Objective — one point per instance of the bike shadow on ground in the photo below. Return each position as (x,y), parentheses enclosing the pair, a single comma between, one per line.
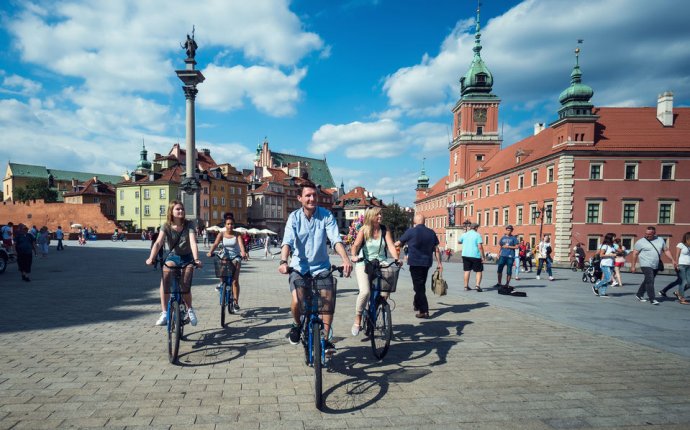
(235,339)
(408,359)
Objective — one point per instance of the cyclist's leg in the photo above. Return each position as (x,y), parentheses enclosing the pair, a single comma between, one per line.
(364,288)
(236,281)
(187,285)
(294,306)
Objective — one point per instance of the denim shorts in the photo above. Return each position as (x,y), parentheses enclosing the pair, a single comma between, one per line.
(505,261)
(179,260)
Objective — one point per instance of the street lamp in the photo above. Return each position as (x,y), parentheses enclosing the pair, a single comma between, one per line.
(541,211)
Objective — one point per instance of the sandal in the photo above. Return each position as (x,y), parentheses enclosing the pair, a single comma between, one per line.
(479,290)
(467,288)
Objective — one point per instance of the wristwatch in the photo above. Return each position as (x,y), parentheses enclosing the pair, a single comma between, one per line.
(282,262)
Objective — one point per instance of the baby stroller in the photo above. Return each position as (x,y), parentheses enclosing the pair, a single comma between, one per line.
(592,272)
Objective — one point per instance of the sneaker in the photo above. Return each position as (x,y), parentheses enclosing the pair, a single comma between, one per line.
(550,278)
(642,299)
(655,302)
(218,287)
(295,333)
(538,277)
(604,296)
(329,348)
(662,293)
(355,329)
(517,278)
(192,316)
(614,284)
(162,319)
(595,290)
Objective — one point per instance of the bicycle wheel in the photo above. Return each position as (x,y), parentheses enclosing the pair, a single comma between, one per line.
(223,303)
(382,330)
(573,266)
(174,334)
(316,348)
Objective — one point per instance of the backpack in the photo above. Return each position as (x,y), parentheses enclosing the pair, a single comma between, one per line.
(438,285)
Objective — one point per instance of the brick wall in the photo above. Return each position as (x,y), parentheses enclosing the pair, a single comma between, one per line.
(52,215)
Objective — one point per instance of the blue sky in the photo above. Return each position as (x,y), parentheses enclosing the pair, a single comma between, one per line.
(368,84)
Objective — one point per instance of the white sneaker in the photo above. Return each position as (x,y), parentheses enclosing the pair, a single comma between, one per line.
(192,316)
(614,284)
(550,278)
(162,319)
(355,329)
(538,277)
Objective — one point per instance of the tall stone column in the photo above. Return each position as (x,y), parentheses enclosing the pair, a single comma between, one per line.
(190,77)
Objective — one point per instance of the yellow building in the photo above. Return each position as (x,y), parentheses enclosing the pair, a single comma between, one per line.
(142,203)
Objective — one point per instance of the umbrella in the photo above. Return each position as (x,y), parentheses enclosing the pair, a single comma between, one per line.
(253,231)
(267,231)
(241,229)
(214,228)
(75,226)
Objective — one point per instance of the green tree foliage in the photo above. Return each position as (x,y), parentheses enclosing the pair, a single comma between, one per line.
(35,189)
(396,219)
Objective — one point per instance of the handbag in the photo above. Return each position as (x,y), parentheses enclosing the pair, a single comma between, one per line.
(438,285)
(660,265)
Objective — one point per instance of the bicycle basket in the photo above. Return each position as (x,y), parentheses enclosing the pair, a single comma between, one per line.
(174,287)
(389,278)
(223,267)
(320,299)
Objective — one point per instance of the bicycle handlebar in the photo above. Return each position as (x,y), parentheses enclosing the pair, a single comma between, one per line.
(384,264)
(182,266)
(333,268)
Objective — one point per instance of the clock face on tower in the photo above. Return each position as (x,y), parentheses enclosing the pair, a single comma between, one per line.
(480,115)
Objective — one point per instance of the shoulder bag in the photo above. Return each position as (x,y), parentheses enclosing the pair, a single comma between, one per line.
(660,266)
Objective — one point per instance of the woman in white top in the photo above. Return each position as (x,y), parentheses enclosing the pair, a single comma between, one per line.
(232,249)
(607,253)
(683,259)
(372,237)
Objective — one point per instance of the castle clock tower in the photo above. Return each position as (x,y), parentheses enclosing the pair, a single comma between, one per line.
(475,119)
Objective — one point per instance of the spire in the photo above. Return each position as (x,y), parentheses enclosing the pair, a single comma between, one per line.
(423,179)
(478,80)
(143,163)
(575,100)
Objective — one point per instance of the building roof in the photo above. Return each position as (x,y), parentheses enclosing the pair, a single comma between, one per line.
(93,187)
(358,197)
(319,173)
(31,171)
(168,176)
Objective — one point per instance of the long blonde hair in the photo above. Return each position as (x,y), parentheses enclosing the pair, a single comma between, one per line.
(369,219)
(169,217)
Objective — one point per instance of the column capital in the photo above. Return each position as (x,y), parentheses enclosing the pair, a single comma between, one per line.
(190,91)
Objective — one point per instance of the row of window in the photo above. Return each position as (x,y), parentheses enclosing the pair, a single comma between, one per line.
(147,210)
(630,173)
(630,211)
(535,215)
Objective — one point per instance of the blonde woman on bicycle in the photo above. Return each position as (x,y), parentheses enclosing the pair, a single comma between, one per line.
(371,243)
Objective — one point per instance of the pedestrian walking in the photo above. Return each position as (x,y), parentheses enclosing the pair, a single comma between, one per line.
(25,247)
(59,236)
(516,264)
(506,255)
(43,241)
(648,251)
(472,256)
(618,262)
(544,251)
(682,270)
(422,246)
(607,253)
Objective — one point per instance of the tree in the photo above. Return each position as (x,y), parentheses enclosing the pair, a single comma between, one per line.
(396,219)
(35,189)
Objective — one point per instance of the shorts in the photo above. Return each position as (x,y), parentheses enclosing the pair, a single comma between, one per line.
(621,264)
(472,264)
(179,260)
(505,261)
(294,279)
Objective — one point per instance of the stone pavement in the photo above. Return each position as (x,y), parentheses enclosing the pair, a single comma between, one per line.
(79,349)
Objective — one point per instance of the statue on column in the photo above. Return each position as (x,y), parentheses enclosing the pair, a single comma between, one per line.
(190,46)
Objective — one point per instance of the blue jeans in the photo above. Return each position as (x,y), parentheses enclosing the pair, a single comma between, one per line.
(603,283)
(505,261)
(541,264)
(684,274)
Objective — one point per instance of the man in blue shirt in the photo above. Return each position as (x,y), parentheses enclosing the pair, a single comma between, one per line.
(306,231)
(472,255)
(508,244)
(422,244)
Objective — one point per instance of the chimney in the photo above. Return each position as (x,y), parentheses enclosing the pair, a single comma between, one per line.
(664,109)
(538,127)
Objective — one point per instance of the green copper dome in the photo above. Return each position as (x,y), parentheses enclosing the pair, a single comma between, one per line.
(575,99)
(143,163)
(423,179)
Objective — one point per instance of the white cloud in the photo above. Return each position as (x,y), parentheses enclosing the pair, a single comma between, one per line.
(357,136)
(269,90)
(15,84)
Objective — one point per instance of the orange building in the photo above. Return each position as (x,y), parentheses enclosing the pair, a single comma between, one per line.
(592,171)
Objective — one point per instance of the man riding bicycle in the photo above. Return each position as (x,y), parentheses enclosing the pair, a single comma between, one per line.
(306,232)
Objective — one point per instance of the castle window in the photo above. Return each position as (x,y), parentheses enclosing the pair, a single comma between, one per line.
(479,157)
(480,130)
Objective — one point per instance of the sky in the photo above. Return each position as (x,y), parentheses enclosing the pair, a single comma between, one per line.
(367,84)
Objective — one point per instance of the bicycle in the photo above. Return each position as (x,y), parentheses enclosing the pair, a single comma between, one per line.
(225,270)
(176,310)
(117,237)
(377,322)
(316,296)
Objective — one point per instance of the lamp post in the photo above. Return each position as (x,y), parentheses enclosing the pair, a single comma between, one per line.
(541,211)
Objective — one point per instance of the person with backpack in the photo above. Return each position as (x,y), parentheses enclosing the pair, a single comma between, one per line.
(544,251)
(371,243)
(648,251)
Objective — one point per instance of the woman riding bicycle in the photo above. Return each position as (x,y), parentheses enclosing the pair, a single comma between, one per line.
(178,236)
(232,249)
(373,239)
